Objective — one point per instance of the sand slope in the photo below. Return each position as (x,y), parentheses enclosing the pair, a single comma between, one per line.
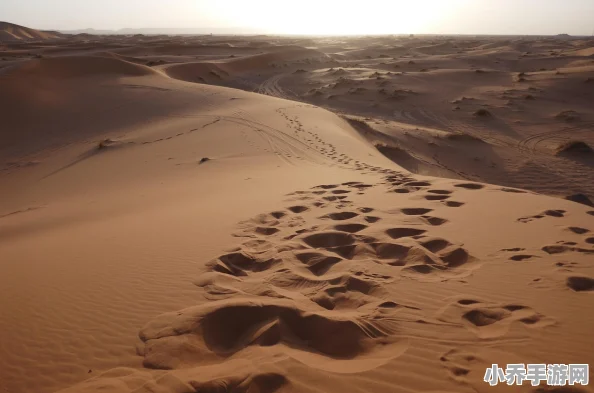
(162,235)
(11,32)
(523,98)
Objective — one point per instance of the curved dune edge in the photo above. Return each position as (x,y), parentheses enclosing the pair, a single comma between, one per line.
(77,67)
(219,71)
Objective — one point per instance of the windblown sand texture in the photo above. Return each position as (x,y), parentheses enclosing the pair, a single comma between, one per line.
(388,216)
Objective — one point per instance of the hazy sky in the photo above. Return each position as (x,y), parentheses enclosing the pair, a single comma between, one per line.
(312,16)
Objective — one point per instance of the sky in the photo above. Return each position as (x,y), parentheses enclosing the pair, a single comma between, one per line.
(328,17)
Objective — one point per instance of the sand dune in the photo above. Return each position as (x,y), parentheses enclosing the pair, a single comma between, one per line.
(163,233)
(11,32)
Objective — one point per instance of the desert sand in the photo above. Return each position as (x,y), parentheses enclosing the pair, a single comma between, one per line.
(269,214)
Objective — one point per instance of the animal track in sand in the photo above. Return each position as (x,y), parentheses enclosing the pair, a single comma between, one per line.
(453,204)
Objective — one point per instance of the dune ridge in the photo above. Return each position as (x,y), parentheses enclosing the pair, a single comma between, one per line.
(10,32)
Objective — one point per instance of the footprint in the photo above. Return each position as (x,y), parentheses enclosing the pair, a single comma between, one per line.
(590,240)
(440,192)
(350,228)
(578,230)
(331,198)
(548,213)
(298,209)
(558,249)
(485,317)
(436,245)
(490,320)
(278,215)
(456,257)
(435,221)
(555,213)
(513,190)
(266,231)
(415,211)
(256,246)
(580,283)
(316,262)
(417,184)
(470,186)
(315,338)
(521,257)
(453,204)
(467,302)
(437,197)
(362,186)
(401,190)
(398,233)
(372,219)
(239,263)
(392,251)
(329,239)
(340,216)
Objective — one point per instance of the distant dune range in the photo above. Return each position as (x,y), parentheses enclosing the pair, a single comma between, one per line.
(280,215)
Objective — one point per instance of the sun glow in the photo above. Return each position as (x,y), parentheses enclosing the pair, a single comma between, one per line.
(333,17)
